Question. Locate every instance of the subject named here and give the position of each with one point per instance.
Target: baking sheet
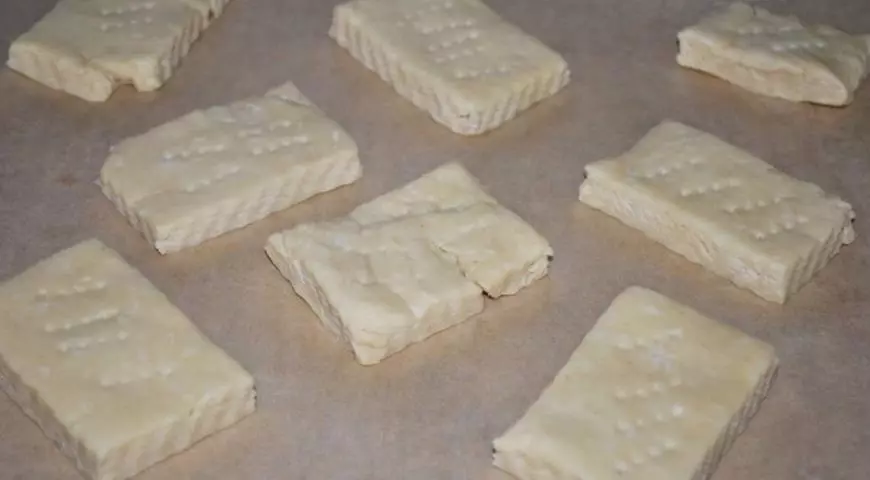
(431, 411)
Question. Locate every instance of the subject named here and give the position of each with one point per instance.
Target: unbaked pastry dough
(108, 368)
(410, 263)
(777, 55)
(456, 59)
(225, 167)
(89, 47)
(656, 391)
(722, 208)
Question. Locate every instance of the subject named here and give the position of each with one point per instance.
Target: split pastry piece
(456, 59)
(108, 368)
(656, 391)
(777, 55)
(88, 48)
(721, 207)
(225, 167)
(410, 263)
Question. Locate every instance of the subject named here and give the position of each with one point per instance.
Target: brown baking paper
(431, 411)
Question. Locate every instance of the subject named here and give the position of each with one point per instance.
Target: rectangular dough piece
(410, 263)
(88, 48)
(722, 208)
(777, 55)
(108, 368)
(656, 391)
(456, 59)
(215, 170)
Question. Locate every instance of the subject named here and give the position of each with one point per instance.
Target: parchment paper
(432, 411)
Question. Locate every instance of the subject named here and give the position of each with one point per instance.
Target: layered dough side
(655, 391)
(457, 60)
(88, 48)
(722, 208)
(777, 56)
(108, 368)
(410, 263)
(222, 168)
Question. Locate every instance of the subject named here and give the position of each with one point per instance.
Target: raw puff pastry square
(456, 59)
(656, 391)
(722, 208)
(410, 263)
(215, 170)
(88, 48)
(108, 368)
(777, 55)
